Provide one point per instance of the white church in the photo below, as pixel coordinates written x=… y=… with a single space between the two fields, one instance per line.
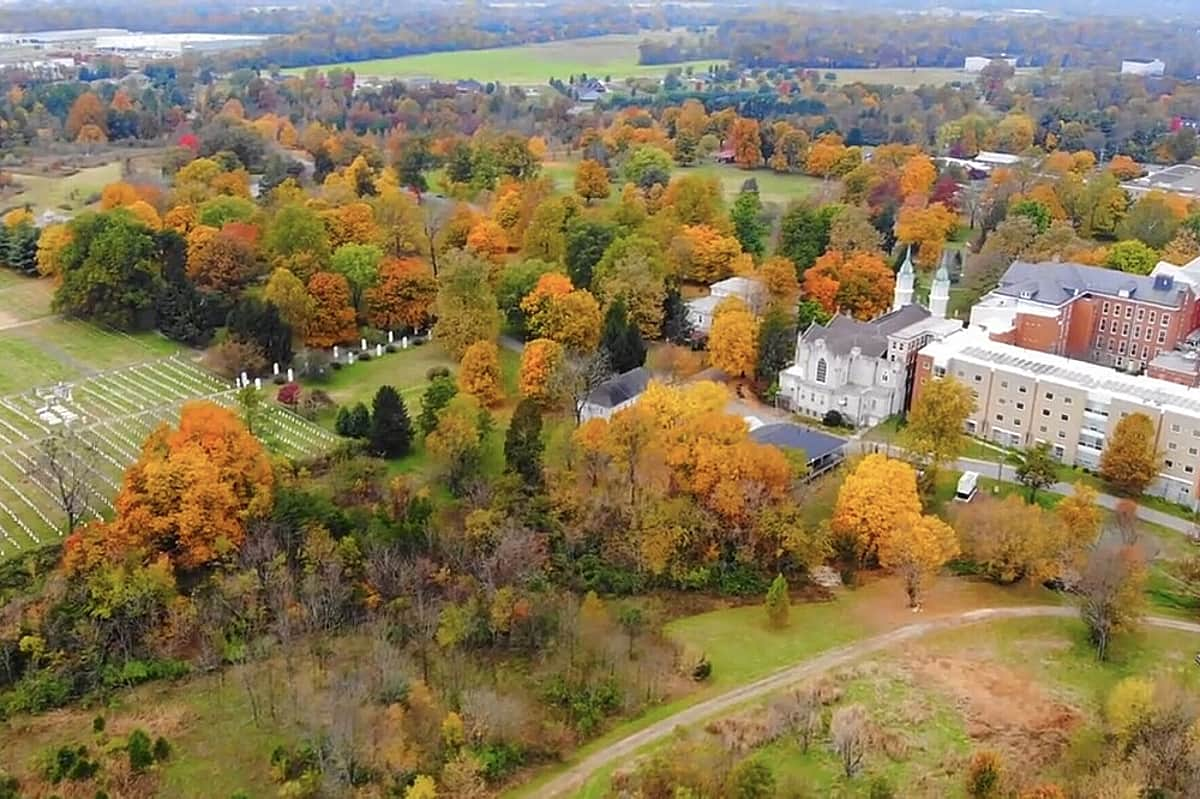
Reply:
x=864 y=370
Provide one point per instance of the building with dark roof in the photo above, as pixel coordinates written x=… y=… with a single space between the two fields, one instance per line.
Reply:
x=1089 y=313
x=615 y=394
x=863 y=370
x=822 y=451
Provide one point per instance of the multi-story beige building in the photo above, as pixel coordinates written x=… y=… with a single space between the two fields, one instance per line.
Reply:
x=1026 y=397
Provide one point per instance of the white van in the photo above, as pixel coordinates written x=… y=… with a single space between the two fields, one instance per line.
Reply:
x=968 y=485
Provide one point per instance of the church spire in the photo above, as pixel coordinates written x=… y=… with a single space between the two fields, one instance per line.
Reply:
x=903 y=295
x=939 y=292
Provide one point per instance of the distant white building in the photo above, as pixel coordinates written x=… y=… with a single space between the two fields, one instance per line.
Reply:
x=1138 y=66
x=976 y=63
x=701 y=310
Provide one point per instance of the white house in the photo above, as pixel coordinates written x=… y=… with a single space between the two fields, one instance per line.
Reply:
x=700 y=311
x=615 y=394
x=1140 y=66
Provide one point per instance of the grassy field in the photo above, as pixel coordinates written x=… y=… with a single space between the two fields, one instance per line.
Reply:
x=773 y=188
x=614 y=56
x=48 y=192
x=913 y=78
x=38 y=348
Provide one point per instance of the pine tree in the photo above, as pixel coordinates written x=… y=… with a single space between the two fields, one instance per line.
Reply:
x=621 y=340
x=341 y=425
x=748 y=225
x=778 y=603
x=523 y=445
x=436 y=397
x=391 y=430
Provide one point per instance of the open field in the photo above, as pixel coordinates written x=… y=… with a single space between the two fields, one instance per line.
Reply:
x=773 y=188
x=913 y=78
x=50 y=192
x=614 y=56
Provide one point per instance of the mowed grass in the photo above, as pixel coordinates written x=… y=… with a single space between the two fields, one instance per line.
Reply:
x=773 y=188
x=53 y=192
x=614 y=56
x=23 y=298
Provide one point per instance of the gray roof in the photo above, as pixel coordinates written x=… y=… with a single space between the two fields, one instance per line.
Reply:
x=621 y=388
x=843 y=332
x=816 y=445
x=1057 y=283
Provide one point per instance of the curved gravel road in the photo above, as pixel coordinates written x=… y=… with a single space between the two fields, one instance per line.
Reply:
x=572 y=779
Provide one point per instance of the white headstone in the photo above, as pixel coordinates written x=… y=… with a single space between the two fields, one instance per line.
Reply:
x=378 y=350
x=350 y=357
x=404 y=343
x=245 y=380
x=258 y=383
x=277 y=367
x=335 y=352
x=363 y=344
x=391 y=337
x=291 y=375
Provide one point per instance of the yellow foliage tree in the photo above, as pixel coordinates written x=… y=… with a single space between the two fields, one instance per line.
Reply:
x=928 y=228
x=488 y=240
x=917 y=177
x=733 y=341
x=702 y=253
x=591 y=181
x=915 y=549
x=51 y=243
x=117 y=195
x=876 y=498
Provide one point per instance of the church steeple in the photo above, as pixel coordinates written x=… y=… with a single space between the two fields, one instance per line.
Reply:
x=939 y=292
x=904 y=283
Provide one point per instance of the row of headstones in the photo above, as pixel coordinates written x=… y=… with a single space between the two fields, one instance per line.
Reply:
x=350 y=356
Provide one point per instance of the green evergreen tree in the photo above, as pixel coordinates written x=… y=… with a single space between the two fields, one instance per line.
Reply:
x=778 y=603
x=523 y=445
x=360 y=421
x=341 y=424
x=621 y=340
x=776 y=345
x=748 y=225
x=436 y=397
x=391 y=430
x=587 y=240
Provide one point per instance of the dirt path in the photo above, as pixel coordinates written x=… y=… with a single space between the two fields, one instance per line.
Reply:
x=571 y=780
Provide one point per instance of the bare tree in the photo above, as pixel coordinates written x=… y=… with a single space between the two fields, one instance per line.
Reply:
x=1110 y=591
x=850 y=729
x=432 y=221
x=798 y=713
x=580 y=376
x=68 y=461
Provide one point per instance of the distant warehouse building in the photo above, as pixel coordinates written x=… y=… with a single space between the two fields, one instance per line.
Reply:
x=977 y=63
x=1025 y=397
x=1145 y=67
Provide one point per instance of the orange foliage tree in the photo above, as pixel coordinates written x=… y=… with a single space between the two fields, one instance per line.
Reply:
x=591 y=181
x=488 y=240
x=479 y=373
x=701 y=252
x=555 y=310
x=190 y=496
x=745 y=143
x=860 y=283
x=86 y=112
x=541 y=364
x=220 y=261
x=917 y=177
x=332 y=320
x=403 y=297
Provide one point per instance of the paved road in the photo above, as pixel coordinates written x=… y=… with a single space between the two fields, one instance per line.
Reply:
x=568 y=782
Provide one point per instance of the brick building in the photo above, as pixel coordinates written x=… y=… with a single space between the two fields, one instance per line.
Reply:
x=1090 y=313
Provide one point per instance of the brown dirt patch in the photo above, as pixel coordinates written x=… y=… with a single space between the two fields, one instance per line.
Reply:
x=1003 y=709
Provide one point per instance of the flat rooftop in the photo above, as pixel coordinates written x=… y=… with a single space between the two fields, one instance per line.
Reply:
x=1180 y=179
x=974 y=346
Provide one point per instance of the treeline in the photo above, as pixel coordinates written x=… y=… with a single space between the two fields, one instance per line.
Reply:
x=870 y=41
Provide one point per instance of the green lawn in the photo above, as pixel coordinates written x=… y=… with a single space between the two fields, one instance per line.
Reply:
x=404 y=369
x=23 y=298
x=773 y=188
x=614 y=56
x=913 y=78
x=52 y=192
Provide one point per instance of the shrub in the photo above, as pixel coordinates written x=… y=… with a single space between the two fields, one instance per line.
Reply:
x=279 y=380
x=364 y=357
x=98 y=724
x=289 y=394
x=498 y=760
x=778 y=603
x=67 y=763
x=833 y=418
x=881 y=788
x=9 y=787
x=390 y=348
x=140 y=751
x=985 y=776
x=702 y=670
x=162 y=749
x=434 y=372
x=336 y=366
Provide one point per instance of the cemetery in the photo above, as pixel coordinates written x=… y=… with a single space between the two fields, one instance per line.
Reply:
x=94 y=429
